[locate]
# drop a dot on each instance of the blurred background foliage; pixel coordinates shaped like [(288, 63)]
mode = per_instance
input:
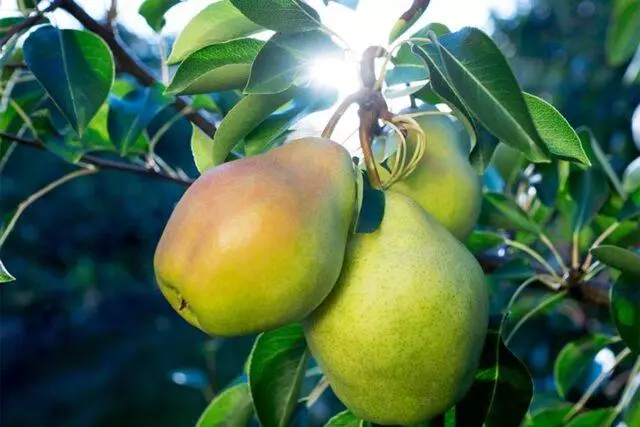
[(87, 339)]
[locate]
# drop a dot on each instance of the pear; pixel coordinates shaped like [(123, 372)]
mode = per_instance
[(444, 182), (400, 336), (259, 242)]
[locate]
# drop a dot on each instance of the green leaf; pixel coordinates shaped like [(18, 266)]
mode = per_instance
[(598, 157), (218, 22), (74, 67), (231, 408), (623, 35), (589, 190), (276, 369), (483, 142), (501, 211), (484, 82), (205, 102), (371, 210), (556, 132), (129, 116), (618, 258), (285, 58), (427, 95), (407, 19), (481, 240), (549, 417), (345, 419), (5, 276), (202, 150), (65, 142), (482, 153), (216, 68), (408, 66), (631, 176), (632, 411), (502, 390), (244, 117), (273, 128), (283, 16), (153, 12), (575, 359), (597, 417), (431, 56)]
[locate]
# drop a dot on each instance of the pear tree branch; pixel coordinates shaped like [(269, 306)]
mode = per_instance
[(28, 22), (128, 63), (102, 163)]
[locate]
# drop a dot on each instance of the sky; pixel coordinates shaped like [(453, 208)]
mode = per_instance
[(368, 25)]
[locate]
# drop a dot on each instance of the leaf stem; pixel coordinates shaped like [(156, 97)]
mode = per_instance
[(535, 255), (594, 386), (606, 233), (594, 272), (544, 304), (38, 194), (575, 250), (627, 394), (545, 239), (317, 391)]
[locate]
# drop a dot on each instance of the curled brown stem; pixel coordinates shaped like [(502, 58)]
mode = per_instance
[(367, 65), (367, 99)]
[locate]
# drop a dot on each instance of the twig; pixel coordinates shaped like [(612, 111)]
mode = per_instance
[(102, 163), (544, 304), (317, 391), (535, 255), (594, 386), (549, 244), (627, 394), (128, 63), (575, 250), (606, 233), (29, 22), (35, 196)]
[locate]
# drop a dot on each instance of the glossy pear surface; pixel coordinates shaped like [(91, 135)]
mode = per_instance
[(444, 183), (259, 242), (400, 336)]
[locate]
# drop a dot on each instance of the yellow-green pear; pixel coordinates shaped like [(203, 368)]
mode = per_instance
[(444, 182), (400, 336), (259, 242)]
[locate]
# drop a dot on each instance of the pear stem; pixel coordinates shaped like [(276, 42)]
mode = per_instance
[(367, 121)]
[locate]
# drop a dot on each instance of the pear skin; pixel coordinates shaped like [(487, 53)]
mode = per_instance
[(258, 243), (400, 336), (444, 183)]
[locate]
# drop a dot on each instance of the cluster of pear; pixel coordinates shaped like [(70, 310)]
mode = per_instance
[(396, 318)]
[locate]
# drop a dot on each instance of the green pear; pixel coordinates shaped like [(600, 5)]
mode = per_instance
[(400, 336), (444, 183), (257, 243)]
